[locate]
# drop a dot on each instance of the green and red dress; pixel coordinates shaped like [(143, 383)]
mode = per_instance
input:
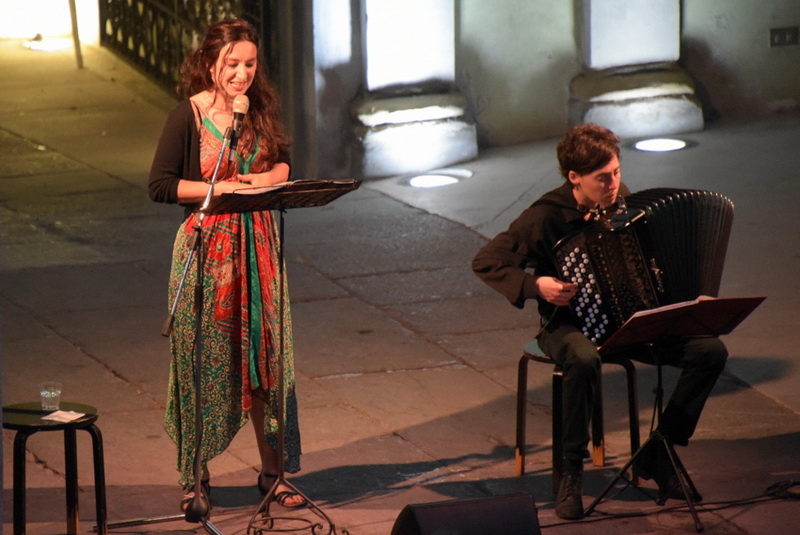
[(240, 326)]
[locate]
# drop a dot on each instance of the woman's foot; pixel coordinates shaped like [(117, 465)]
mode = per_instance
[(188, 494), (290, 499), (284, 495), (265, 482)]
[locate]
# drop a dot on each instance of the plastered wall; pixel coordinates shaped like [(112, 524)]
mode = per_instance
[(725, 46), (515, 59)]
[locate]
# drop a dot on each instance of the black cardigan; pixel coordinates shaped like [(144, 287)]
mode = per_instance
[(178, 154)]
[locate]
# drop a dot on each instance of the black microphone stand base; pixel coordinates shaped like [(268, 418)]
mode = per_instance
[(208, 526), (263, 521)]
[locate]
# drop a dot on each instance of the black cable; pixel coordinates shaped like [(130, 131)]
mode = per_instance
[(780, 490), (775, 492)]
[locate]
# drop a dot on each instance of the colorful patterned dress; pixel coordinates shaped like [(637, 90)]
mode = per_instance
[(240, 327)]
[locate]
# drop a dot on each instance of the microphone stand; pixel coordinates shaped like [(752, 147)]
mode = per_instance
[(199, 508)]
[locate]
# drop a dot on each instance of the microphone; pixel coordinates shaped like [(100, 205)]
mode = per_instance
[(240, 106)]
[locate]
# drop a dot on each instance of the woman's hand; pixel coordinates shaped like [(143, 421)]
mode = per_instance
[(190, 191), (279, 173), (195, 191), (227, 186), (554, 291)]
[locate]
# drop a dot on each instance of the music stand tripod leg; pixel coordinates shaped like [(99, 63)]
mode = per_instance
[(262, 520), (685, 482), (687, 486), (619, 475)]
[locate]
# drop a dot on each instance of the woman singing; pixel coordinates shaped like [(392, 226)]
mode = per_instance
[(241, 285)]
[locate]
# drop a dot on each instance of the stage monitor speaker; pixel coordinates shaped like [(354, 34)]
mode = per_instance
[(496, 515)]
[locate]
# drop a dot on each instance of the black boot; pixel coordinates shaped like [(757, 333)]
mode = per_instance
[(569, 502), (654, 463)]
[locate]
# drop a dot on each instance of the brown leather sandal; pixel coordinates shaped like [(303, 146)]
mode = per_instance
[(284, 498)]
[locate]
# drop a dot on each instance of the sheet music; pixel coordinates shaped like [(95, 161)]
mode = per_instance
[(682, 304), (260, 189)]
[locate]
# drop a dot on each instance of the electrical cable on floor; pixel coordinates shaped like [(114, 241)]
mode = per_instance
[(775, 492), (781, 490)]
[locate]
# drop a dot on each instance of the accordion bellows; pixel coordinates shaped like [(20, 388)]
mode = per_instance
[(669, 246)]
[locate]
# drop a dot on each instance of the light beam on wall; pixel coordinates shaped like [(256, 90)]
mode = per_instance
[(409, 42), (411, 117)]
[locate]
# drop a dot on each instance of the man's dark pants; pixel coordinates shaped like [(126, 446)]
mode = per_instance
[(701, 360)]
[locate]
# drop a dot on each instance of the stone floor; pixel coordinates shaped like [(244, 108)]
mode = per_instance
[(406, 363)]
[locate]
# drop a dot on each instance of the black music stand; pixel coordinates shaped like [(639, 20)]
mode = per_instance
[(705, 316), (297, 194)]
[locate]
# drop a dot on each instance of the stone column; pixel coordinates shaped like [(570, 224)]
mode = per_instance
[(411, 116), (632, 83)]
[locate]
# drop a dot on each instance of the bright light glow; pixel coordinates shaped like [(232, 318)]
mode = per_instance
[(417, 147), (23, 20), (333, 31), (408, 42), (439, 178), (431, 181), (49, 44), (660, 145), (411, 115)]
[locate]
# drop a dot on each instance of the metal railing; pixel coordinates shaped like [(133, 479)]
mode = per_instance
[(155, 36)]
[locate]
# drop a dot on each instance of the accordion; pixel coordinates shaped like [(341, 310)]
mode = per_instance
[(663, 246)]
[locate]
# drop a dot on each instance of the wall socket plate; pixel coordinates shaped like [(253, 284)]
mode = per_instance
[(784, 36)]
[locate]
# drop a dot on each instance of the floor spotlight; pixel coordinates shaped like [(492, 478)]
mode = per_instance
[(661, 144), (438, 178)]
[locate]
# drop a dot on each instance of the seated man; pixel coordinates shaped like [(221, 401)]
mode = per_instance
[(518, 263)]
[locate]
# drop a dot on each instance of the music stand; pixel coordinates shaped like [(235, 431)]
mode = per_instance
[(705, 316), (297, 194)]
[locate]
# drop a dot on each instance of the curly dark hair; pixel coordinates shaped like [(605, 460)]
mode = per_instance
[(585, 148), (263, 120)]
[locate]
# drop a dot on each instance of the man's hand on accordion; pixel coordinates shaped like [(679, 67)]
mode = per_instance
[(554, 291)]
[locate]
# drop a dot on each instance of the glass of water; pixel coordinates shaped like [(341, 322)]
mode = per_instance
[(50, 392)]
